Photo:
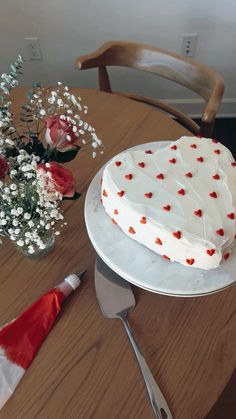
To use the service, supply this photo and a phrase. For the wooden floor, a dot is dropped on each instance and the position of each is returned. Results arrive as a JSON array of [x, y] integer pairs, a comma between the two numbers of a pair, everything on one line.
[[225, 407]]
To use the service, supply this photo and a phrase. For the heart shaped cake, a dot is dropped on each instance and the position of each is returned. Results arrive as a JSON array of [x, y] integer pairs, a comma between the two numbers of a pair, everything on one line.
[[179, 201]]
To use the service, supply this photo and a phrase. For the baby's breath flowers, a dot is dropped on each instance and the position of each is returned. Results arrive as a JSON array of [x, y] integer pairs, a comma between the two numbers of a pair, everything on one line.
[[32, 181], [28, 208]]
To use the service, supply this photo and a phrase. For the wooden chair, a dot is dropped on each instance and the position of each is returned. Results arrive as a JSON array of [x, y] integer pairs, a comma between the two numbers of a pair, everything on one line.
[[197, 77]]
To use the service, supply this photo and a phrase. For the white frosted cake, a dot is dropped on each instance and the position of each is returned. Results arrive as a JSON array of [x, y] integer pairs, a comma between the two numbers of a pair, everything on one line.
[[179, 201]]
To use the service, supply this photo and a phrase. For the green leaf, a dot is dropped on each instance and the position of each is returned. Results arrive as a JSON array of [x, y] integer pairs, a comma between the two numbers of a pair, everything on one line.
[[30, 94], [64, 157], [36, 85], [37, 147]]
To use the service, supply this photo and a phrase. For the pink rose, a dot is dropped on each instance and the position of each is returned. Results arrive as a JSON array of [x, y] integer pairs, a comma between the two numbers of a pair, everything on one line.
[[3, 167], [59, 132], [62, 179]]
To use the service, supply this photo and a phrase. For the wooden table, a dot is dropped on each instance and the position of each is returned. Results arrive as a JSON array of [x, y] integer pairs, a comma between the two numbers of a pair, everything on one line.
[[86, 368]]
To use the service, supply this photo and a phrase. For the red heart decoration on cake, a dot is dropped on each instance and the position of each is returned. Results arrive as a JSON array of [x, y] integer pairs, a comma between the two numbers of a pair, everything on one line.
[[143, 220], [198, 213], [210, 252], [167, 208], [104, 193], [131, 230], [121, 193], [129, 176], [148, 195], [190, 261], [177, 234]]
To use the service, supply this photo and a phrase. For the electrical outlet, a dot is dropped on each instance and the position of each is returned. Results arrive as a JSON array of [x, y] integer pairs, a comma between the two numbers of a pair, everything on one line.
[[189, 44], [33, 49]]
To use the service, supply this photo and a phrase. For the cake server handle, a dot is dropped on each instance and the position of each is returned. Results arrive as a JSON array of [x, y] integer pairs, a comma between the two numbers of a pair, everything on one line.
[[159, 405]]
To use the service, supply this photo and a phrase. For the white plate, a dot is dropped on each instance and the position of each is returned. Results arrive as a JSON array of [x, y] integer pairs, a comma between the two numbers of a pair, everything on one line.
[[139, 265]]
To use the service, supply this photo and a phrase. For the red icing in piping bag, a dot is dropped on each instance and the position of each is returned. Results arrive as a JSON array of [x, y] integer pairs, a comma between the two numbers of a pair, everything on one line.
[[22, 338]]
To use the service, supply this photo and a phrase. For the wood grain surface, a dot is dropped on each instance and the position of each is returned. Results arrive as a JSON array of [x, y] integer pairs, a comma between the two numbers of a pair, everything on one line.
[[86, 368]]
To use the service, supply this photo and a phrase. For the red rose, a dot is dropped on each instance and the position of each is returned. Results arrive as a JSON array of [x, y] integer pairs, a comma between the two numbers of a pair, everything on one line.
[[3, 167], [59, 132], [62, 179]]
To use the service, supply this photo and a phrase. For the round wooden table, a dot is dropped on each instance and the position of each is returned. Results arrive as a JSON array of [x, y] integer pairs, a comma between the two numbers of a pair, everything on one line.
[[86, 368]]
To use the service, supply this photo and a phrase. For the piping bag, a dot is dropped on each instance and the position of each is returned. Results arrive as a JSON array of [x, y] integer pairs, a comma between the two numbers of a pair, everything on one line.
[[21, 339]]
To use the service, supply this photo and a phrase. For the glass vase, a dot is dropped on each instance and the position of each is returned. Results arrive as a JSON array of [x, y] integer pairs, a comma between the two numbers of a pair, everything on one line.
[[48, 239]]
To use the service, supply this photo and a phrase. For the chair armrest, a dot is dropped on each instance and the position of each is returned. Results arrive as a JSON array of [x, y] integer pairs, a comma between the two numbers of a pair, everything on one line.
[[211, 108], [214, 102], [94, 59]]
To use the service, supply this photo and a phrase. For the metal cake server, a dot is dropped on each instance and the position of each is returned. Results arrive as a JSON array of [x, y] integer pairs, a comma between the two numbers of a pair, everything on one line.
[[116, 299]]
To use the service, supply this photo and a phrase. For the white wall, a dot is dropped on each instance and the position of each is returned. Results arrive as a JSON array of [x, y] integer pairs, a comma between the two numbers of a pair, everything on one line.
[[68, 28]]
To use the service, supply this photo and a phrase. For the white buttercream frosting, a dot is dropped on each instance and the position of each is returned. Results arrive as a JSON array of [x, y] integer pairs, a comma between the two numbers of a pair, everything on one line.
[[187, 213]]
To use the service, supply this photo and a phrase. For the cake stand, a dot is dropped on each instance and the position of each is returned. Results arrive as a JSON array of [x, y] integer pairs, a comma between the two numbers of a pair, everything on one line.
[[141, 266]]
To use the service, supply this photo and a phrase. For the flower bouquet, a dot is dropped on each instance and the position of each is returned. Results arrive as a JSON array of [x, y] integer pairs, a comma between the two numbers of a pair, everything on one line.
[[33, 181]]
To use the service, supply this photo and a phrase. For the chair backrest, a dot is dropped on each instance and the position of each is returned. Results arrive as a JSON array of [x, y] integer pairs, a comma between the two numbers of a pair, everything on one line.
[[197, 77]]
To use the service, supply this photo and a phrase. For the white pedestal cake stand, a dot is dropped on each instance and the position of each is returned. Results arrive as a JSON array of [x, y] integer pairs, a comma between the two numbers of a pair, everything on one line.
[[141, 266]]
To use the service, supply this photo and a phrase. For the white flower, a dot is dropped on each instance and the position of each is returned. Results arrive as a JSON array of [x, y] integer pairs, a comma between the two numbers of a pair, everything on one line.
[[42, 112], [27, 216], [31, 249], [10, 142], [20, 243], [19, 210]]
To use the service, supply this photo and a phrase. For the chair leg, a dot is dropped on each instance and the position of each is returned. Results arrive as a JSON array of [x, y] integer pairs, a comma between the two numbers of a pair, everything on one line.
[[104, 82], [206, 129]]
